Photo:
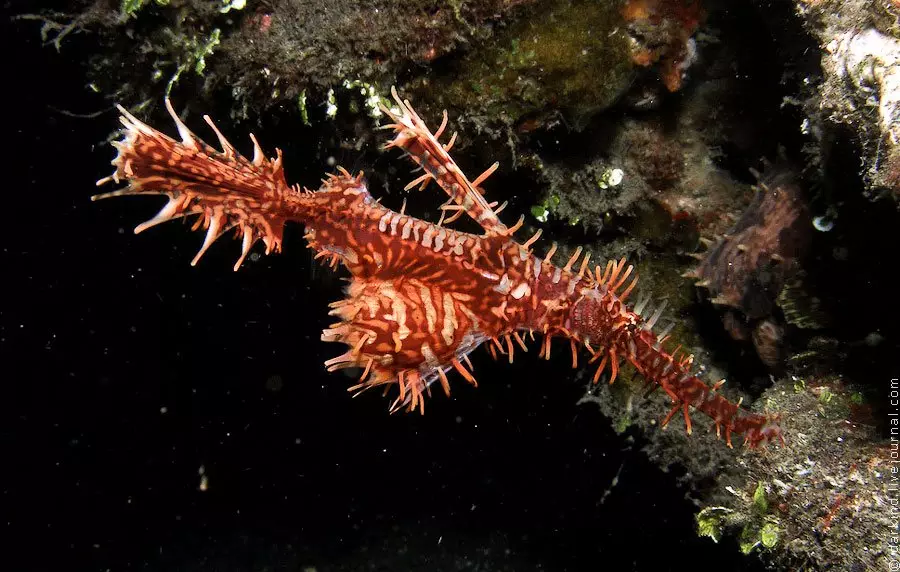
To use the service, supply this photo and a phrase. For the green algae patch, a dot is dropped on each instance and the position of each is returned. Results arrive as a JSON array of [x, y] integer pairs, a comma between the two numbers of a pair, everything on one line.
[[759, 498], [712, 520], [571, 56], [768, 535]]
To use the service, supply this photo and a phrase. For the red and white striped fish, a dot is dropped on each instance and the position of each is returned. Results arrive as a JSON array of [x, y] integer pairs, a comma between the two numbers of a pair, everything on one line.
[[421, 296]]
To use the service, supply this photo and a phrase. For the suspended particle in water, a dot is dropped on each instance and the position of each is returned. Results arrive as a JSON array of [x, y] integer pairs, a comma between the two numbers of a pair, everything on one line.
[[823, 223]]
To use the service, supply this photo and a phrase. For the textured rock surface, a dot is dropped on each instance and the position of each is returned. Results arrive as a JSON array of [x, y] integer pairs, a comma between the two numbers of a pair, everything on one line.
[[860, 84]]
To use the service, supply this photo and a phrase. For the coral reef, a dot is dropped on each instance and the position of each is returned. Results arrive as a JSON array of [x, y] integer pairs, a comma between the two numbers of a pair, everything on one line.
[[858, 87], [817, 504], [867, 64], [561, 61], [511, 65], [266, 54], [825, 497]]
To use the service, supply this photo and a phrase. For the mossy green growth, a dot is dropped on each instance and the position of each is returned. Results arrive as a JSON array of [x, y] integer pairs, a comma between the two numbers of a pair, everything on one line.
[[543, 211], [331, 108], [301, 105], [565, 55], [229, 5], [769, 535], [759, 498], [371, 98], [195, 52], [749, 540], [130, 8], [753, 535], [610, 178], [622, 423], [540, 212], [711, 521], [205, 48], [758, 527]]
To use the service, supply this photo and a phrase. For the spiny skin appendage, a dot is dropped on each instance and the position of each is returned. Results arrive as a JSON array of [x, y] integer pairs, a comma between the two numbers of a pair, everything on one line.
[[421, 296]]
